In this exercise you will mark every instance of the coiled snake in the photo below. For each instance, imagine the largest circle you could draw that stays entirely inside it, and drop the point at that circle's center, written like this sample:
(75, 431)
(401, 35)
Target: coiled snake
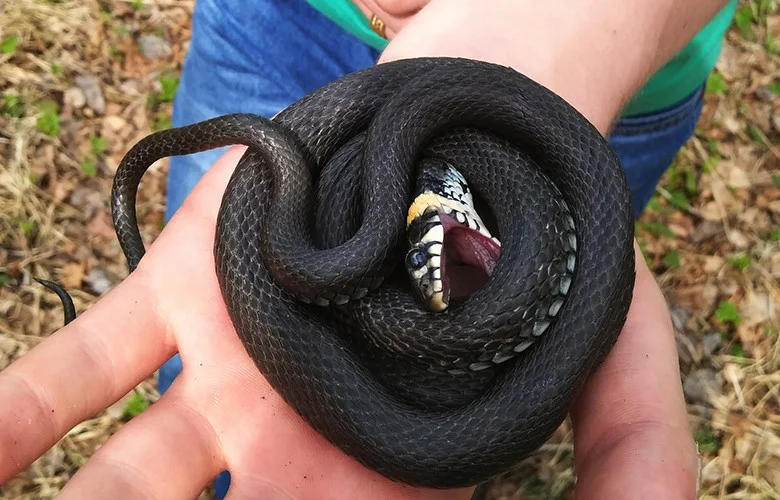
(310, 258)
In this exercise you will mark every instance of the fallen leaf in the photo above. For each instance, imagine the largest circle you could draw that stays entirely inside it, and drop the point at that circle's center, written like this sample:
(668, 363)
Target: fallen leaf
(72, 275)
(736, 177)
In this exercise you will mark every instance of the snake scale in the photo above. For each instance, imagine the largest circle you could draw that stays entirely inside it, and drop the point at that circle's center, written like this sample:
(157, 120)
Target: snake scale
(309, 255)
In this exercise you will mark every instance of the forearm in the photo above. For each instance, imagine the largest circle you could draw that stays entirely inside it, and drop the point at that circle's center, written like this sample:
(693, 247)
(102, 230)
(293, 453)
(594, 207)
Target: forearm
(594, 53)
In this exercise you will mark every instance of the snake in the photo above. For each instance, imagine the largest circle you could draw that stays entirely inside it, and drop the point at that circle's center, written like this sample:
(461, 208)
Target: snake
(342, 231)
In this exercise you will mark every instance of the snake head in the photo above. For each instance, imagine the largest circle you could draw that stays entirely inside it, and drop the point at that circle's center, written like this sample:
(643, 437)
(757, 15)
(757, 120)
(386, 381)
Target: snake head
(447, 258)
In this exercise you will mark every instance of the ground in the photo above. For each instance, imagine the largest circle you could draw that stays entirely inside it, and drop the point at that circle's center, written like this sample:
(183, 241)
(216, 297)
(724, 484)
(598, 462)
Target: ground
(80, 82)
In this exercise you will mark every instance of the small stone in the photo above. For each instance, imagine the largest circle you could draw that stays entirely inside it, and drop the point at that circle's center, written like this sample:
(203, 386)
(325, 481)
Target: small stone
(712, 471)
(130, 87)
(99, 281)
(711, 343)
(88, 199)
(732, 124)
(90, 85)
(702, 386)
(154, 47)
(765, 94)
(680, 316)
(738, 238)
(74, 98)
(706, 230)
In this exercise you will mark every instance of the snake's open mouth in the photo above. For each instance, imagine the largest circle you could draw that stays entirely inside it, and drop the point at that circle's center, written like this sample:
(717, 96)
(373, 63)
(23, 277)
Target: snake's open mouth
(467, 260)
(452, 253)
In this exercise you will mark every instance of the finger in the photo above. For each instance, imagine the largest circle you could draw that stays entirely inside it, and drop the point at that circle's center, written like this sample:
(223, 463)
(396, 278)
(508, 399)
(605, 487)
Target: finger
(169, 451)
(181, 266)
(630, 423)
(77, 372)
(395, 15)
(95, 360)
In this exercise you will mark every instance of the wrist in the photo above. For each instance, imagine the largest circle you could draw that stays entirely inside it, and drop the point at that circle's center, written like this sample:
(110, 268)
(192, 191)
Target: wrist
(443, 31)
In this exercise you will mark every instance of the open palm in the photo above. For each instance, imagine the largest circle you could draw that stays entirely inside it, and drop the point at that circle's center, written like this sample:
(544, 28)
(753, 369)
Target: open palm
(222, 414)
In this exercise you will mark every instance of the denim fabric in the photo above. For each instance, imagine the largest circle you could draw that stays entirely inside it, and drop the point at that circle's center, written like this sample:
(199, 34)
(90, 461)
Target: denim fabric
(261, 56)
(647, 144)
(254, 57)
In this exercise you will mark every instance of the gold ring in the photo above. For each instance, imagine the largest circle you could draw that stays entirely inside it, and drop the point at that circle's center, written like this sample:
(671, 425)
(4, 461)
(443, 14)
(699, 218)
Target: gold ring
(378, 26)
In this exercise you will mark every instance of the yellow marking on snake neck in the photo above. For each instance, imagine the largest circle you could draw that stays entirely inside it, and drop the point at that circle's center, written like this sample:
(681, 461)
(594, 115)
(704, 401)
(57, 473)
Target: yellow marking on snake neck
(420, 204)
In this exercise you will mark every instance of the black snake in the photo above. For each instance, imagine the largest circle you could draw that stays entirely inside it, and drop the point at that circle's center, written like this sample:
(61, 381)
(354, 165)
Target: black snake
(310, 256)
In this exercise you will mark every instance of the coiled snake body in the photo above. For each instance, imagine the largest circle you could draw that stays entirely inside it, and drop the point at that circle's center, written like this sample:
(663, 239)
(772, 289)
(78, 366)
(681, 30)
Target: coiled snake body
(310, 249)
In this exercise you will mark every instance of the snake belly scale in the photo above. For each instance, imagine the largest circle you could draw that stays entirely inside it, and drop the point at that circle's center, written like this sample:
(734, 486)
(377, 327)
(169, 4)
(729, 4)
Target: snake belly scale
(310, 239)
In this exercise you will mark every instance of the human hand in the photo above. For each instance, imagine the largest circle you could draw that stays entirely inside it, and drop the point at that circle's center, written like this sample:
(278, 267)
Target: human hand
(221, 413)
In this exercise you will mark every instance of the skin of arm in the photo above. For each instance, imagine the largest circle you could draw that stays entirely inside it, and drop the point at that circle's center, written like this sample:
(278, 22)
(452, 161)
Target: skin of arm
(594, 53)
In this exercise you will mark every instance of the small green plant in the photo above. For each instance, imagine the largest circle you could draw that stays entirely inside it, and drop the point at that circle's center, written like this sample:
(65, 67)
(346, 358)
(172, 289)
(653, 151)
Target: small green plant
(656, 229)
(681, 183)
(737, 352)
(756, 135)
(9, 44)
(162, 122)
(774, 235)
(75, 457)
(116, 53)
(774, 88)
(771, 45)
(714, 157)
(169, 85)
(4, 278)
(679, 199)
(56, 69)
(706, 440)
(716, 84)
(762, 8)
(672, 259)
(89, 167)
(653, 203)
(99, 145)
(98, 149)
(743, 20)
(740, 262)
(691, 182)
(12, 105)
(27, 226)
(727, 313)
(49, 119)
(135, 406)
(137, 4)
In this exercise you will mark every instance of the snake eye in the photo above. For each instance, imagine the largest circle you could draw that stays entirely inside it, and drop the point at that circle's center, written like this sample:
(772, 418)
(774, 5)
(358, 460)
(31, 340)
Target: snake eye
(416, 258)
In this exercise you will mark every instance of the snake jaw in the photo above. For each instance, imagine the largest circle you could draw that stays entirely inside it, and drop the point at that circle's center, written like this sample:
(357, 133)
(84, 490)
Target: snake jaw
(424, 260)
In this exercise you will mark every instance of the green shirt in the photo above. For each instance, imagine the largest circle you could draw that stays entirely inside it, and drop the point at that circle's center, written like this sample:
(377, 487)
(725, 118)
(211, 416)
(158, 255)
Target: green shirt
(678, 78)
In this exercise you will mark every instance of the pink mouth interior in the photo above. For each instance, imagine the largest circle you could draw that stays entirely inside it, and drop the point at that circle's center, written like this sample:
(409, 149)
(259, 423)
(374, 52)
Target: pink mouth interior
(468, 259)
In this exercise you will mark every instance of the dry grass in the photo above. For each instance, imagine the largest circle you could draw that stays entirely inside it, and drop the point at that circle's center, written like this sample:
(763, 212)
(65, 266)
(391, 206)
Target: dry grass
(711, 235)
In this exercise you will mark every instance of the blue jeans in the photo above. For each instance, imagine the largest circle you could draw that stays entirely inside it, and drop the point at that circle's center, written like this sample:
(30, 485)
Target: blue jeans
(260, 56)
